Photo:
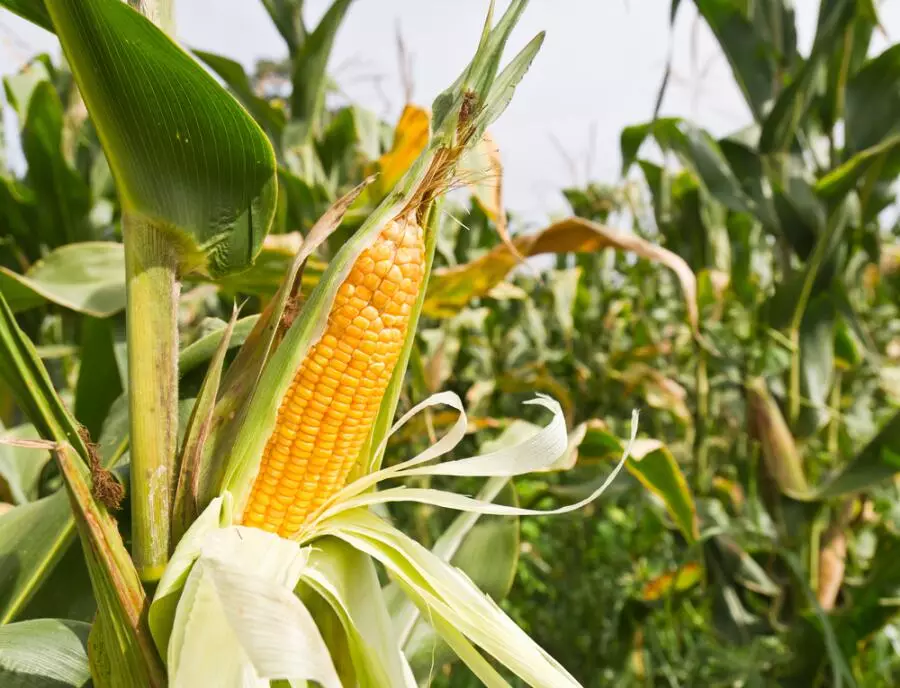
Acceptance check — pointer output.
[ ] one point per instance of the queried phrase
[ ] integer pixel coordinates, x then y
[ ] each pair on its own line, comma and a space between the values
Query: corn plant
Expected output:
255, 531
761, 366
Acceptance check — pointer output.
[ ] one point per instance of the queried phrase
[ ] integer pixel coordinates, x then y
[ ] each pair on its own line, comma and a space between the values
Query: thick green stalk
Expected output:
151, 265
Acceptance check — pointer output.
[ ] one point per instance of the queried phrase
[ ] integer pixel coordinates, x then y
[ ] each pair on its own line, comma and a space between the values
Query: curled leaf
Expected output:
452, 288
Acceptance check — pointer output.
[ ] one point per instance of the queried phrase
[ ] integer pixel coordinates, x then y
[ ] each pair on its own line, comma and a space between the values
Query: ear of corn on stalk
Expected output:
327, 412
311, 416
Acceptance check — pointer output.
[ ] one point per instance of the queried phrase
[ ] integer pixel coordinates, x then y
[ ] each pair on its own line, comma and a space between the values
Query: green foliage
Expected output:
705, 564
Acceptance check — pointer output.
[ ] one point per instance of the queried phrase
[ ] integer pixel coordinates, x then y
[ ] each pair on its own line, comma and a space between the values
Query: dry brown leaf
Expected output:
452, 288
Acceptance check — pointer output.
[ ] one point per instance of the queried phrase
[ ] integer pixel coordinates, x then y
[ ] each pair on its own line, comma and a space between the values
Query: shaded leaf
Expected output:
99, 382
33, 538
33, 10
199, 352
783, 121
756, 55
878, 461
20, 469
873, 95
26, 377
696, 149
44, 653
187, 492
309, 77
62, 195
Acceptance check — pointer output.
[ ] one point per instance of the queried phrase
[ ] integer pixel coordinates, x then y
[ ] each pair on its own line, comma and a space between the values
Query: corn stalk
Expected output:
153, 290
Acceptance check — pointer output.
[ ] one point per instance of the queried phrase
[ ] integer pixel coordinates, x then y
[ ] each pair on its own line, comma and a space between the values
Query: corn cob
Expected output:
328, 411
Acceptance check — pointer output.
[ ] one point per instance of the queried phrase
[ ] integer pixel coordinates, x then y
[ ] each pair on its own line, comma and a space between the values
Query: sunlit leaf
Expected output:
410, 139
452, 288
181, 149
683, 578
88, 278
656, 469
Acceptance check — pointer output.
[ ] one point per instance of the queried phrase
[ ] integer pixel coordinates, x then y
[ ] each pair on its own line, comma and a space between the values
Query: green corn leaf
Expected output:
784, 120
878, 461
872, 93
873, 137
66, 593
185, 506
45, 653
655, 468
502, 90
87, 278
309, 77
450, 600
347, 582
696, 149
33, 538
99, 379
25, 376
34, 11
270, 118
20, 469
199, 352
288, 18
19, 87
62, 195
479, 89
757, 53
182, 151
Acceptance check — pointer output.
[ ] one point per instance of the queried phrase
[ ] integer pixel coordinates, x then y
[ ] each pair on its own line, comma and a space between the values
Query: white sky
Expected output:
598, 71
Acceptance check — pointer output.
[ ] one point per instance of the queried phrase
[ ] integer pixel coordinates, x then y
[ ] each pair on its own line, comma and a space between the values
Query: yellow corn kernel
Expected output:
327, 413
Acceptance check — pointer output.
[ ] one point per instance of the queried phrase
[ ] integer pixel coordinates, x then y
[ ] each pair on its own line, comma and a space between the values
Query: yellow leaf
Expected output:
410, 139
452, 288
683, 578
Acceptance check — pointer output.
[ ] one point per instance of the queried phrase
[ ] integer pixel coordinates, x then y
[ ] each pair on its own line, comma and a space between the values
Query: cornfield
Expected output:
286, 401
